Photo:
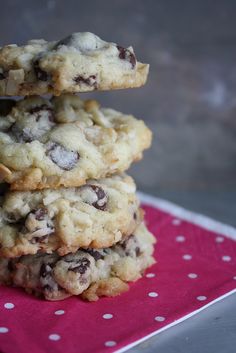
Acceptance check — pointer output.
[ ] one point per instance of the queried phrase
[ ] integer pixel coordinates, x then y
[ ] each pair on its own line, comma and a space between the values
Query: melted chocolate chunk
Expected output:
18, 222
124, 243
28, 134
65, 41
73, 41
137, 251
45, 270
38, 110
42, 239
130, 246
11, 218
95, 254
10, 266
62, 157
101, 201
6, 106
48, 288
47, 280
126, 54
4, 187
2, 76
40, 74
89, 81
40, 213
82, 266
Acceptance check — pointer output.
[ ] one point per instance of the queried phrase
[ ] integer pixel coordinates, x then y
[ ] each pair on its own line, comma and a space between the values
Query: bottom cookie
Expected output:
89, 273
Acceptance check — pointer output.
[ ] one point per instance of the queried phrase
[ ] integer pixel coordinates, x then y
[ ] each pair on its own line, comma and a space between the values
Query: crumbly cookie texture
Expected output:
81, 62
96, 215
63, 141
89, 273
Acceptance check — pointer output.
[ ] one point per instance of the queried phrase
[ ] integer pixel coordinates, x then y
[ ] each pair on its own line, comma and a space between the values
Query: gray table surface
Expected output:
211, 331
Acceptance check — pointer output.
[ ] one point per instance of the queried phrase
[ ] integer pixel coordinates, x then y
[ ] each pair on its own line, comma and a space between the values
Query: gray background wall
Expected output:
189, 101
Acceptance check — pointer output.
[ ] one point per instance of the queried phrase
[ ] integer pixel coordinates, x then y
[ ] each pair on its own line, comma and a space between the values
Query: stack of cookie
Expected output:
70, 223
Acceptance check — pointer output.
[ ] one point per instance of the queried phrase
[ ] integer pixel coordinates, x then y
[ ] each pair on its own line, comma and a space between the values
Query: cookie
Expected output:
81, 62
89, 273
63, 141
97, 215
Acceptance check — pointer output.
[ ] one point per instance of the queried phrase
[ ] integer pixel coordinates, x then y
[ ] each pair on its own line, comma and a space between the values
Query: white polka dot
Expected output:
9, 305
107, 316
153, 294
54, 337
160, 318
3, 330
110, 343
59, 312
226, 258
201, 298
150, 275
176, 222
192, 275
219, 239
180, 238
234, 278
187, 257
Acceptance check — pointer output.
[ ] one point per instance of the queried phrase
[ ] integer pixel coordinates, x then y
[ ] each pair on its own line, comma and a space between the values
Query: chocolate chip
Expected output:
101, 201
38, 110
82, 266
89, 81
137, 251
74, 41
2, 76
125, 242
62, 157
42, 239
43, 228
48, 288
40, 213
135, 216
65, 41
40, 74
10, 266
126, 54
45, 270
4, 187
95, 254
42, 121
18, 222
10, 217
130, 246
6, 106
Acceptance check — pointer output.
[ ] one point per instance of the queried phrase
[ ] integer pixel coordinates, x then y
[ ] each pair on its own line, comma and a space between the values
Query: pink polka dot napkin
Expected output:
196, 266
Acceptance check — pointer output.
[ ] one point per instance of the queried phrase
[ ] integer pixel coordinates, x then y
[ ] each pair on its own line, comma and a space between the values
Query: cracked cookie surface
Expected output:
96, 215
89, 273
63, 141
80, 62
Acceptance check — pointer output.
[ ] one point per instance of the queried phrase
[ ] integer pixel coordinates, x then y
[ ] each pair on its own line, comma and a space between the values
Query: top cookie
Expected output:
81, 62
